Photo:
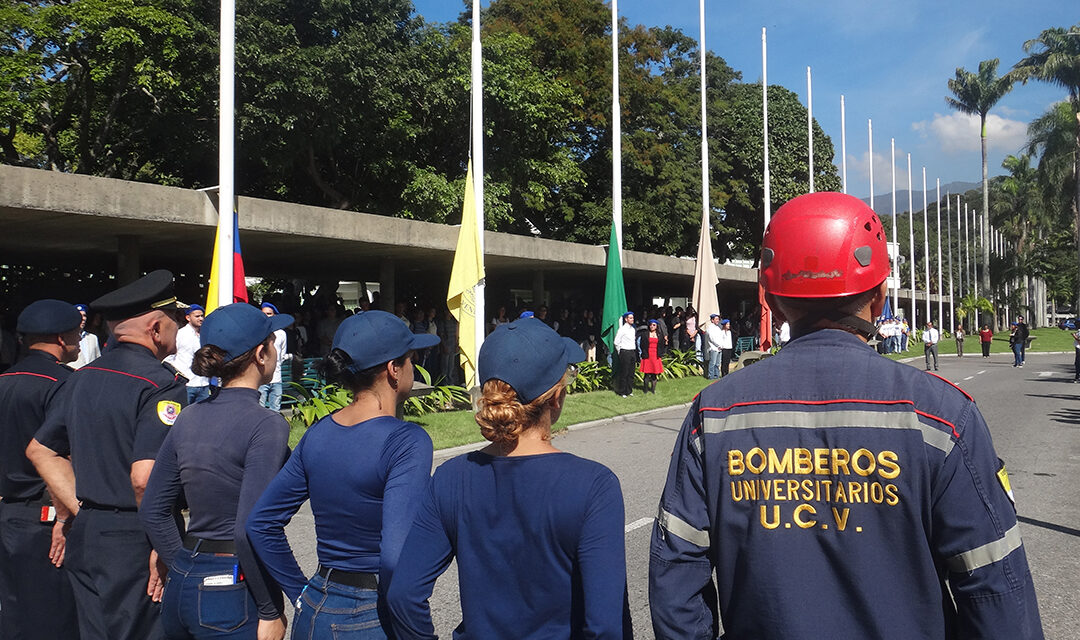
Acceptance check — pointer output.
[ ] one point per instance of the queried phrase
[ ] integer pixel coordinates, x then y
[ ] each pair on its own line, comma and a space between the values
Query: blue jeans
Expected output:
714, 365
194, 394
1018, 354
270, 396
331, 610
192, 611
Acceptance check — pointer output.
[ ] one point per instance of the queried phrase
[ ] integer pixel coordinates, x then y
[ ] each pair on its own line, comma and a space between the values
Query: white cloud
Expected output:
858, 166
959, 132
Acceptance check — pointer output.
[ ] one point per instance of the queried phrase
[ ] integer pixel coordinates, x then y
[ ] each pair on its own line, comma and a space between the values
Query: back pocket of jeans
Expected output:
357, 631
223, 608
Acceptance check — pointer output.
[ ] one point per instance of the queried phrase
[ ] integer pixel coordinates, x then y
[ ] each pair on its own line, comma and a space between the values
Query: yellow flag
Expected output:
468, 271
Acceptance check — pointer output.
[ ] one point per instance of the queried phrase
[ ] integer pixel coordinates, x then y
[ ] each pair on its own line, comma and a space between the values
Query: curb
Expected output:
450, 452
977, 355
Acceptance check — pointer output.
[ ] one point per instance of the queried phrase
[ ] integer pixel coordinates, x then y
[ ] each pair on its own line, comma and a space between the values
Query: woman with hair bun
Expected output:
537, 533
220, 455
364, 472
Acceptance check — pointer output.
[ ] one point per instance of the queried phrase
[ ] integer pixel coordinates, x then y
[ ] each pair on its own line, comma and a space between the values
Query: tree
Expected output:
1054, 57
971, 305
977, 94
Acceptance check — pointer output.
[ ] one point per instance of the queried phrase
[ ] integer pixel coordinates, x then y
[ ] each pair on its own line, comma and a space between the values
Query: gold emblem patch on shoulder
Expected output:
167, 411
1003, 478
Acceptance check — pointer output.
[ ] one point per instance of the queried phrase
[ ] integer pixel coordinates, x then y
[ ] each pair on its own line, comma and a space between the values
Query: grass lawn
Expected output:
1046, 339
458, 427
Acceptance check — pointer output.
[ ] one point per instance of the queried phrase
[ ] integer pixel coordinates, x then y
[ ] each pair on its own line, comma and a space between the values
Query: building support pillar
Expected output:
387, 278
128, 267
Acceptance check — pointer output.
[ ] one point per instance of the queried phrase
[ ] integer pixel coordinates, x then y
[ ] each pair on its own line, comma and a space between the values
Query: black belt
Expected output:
358, 579
191, 543
90, 504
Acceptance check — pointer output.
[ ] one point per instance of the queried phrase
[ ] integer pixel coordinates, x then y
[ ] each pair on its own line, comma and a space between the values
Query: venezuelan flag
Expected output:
239, 285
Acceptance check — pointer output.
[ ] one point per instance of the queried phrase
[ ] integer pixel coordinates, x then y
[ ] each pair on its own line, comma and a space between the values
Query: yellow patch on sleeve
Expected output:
1003, 478
168, 411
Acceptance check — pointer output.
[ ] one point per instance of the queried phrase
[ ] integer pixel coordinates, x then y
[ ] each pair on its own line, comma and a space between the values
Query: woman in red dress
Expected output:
650, 347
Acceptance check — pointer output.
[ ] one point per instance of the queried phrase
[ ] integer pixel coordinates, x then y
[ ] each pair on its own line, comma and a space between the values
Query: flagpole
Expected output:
478, 169
940, 292
810, 128
926, 244
704, 137
226, 141
896, 263
765, 122
870, 130
843, 149
616, 129
948, 228
911, 244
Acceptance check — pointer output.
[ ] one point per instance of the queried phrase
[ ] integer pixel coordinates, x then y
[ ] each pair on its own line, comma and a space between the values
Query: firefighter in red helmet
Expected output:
828, 492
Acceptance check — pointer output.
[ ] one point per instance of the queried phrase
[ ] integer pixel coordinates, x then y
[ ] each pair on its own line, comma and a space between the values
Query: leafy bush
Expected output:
446, 397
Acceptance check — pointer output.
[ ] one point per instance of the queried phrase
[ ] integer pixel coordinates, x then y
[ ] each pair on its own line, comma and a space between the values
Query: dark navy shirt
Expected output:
365, 482
540, 548
25, 392
831, 492
110, 414
220, 455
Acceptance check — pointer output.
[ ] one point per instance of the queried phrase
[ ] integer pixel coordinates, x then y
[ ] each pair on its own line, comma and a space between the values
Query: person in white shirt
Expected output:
930, 339
89, 348
727, 346
187, 343
270, 394
626, 356
714, 338
785, 333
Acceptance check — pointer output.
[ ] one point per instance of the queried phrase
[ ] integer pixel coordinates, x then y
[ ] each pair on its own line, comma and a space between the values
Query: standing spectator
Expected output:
218, 458
187, 343
930, 338
715, 338
364, 472
533, 560
691, 337
1076, 361
110, 418
270, 393
35, 593
651, 348
625, 345
448, 347
1015, 344
959, 335
1022, 337
327, 327
985, 338
89, 347
499, 319
727, 346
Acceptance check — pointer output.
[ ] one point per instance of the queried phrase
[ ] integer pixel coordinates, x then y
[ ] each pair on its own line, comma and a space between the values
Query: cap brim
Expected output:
424, 340
572, 351
280, 321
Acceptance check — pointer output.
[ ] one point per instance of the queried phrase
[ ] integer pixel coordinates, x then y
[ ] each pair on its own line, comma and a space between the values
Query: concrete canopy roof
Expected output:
49, 217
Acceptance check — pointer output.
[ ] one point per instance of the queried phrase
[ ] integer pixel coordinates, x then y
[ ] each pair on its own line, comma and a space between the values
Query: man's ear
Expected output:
877, 303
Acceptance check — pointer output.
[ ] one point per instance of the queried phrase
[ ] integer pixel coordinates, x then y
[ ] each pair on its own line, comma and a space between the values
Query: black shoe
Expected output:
935, 368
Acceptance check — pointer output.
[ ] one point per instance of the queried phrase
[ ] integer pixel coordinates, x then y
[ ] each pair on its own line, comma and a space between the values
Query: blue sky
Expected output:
891, 61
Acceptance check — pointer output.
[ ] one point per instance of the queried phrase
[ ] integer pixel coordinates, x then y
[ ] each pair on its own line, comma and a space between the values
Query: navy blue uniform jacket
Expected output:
837, 494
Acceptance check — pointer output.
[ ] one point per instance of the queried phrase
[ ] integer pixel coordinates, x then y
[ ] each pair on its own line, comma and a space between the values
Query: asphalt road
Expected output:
1034, 416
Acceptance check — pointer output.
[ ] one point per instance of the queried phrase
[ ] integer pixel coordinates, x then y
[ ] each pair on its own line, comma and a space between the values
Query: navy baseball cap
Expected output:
375, 337
48, 317
238, 328
270, 306
527, 355
193, 308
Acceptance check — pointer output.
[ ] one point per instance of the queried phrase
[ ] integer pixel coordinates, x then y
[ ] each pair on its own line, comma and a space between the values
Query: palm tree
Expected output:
978, 93
1054, 57
971, 305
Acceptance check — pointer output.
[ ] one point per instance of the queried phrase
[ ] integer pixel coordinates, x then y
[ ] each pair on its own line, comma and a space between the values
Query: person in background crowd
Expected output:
1022, 335
89, 348
1014, 344
986, 336
727, 346
715, 338
448, 348
959, 335
270, 392
625, 345
110, 418
1076, 361
327, 327
785, 333
9, 345
930, 337
534, 560
500, 318
187, 343
364, 472
905, 331
650, 346
939, 520
218, 458
691, 338
36, 602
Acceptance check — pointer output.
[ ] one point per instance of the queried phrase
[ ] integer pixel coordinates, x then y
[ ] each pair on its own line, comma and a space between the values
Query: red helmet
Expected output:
823, 245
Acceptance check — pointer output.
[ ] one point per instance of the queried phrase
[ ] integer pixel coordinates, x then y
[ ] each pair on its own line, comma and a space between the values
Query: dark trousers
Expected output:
725, 361
192, 611
1076, 365
930, 350
959, 348
108, 560
35, 595
986, 349
624, 377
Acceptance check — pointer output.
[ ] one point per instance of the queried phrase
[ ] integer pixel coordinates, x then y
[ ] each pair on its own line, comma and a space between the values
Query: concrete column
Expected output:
128, 268
538, 288
387, 277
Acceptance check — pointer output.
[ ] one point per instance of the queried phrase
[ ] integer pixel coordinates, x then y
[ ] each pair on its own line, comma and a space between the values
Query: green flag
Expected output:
614, 294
